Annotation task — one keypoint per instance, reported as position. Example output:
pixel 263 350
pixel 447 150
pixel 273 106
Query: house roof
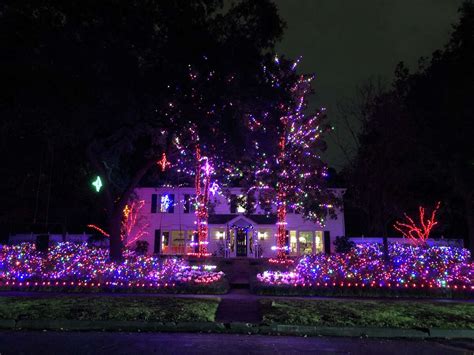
pixel 256 218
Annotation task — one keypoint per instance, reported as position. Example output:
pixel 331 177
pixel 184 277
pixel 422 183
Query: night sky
pixel 344 42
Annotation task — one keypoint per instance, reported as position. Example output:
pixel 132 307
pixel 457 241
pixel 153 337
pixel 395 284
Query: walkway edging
pixel 234 327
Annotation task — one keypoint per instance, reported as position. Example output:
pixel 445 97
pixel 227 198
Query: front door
pixel 241 241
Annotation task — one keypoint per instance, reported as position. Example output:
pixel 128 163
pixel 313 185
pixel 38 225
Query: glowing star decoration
pixel 418 234
pixel 214 188
pixel 97 184
pixel 163 162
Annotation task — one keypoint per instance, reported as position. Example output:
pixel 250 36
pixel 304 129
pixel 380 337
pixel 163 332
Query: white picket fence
pixel 55 238
pixel 440 241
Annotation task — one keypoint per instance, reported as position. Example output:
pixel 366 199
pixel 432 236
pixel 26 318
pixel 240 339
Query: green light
pixel 97 184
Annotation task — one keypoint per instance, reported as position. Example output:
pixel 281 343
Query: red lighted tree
pixel 420 233
pixel 132 227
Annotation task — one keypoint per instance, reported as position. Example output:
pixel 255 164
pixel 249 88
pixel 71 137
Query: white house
pixel 167 218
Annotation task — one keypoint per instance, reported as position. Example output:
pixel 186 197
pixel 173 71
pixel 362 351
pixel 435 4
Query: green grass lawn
pixel 390 314
pixel 130 308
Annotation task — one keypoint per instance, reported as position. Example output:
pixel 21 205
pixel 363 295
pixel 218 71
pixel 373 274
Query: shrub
pixel 343 244
pixel 141 247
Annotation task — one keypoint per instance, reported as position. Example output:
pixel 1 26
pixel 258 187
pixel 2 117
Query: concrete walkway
pixel 241 306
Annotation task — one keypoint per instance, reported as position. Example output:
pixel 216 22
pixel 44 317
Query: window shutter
pixel 186 203
pixel 154 199
pixel 233 204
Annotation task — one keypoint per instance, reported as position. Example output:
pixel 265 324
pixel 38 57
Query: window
pixel 263 234
pixel 306 242
pixel 177 238
pixel 318 241
pixel 191 242
pixel 189 203
pixel 293 243
pixel 165 241
pixel 192 236
pixel 167 203
pixel 241 204
pixel 154 199
pixel 219 234
pixel 237 204
pixel 177 242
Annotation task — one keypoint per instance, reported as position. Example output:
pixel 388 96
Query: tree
pixel 105 73
pixel 415 142
pixel 343 244
pixel 289 167
pixel 418 233
pixel 439 101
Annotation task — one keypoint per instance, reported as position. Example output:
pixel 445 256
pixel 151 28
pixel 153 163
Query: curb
pixel 234 327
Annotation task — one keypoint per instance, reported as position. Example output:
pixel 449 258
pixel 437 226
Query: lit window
pixel 293 243
pixel 240 208
pixel 219 234
pixel 262 235
pixel 319 241
pixel 167 203
pixel 306 242
pixel 189 203
pixel 177 242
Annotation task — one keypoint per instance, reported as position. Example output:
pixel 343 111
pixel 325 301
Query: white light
pixel 262 235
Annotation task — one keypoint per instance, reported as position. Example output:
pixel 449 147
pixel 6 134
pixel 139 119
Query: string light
pixel 300 173
pixel 409 267
pixel 98 229
pixel 131 230
pixel 418 234
pixel 69 265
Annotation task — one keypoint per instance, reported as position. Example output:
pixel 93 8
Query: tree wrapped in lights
pixel 418 233
pixel 203 148
pixel 202 183
pixel 294 172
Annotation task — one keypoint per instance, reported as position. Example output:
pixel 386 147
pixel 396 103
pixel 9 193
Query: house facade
pixel 167 221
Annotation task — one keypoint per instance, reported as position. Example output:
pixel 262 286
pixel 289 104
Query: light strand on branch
pixel 418 233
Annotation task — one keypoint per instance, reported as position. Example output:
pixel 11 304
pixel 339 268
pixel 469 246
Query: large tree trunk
pixel 115 201
pixel 116 244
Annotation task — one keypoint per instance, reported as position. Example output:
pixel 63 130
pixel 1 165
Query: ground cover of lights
pixel 79 266
pixel 436 267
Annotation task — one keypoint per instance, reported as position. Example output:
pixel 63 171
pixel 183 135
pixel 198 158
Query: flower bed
pixel 411 270
pixel 69 266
